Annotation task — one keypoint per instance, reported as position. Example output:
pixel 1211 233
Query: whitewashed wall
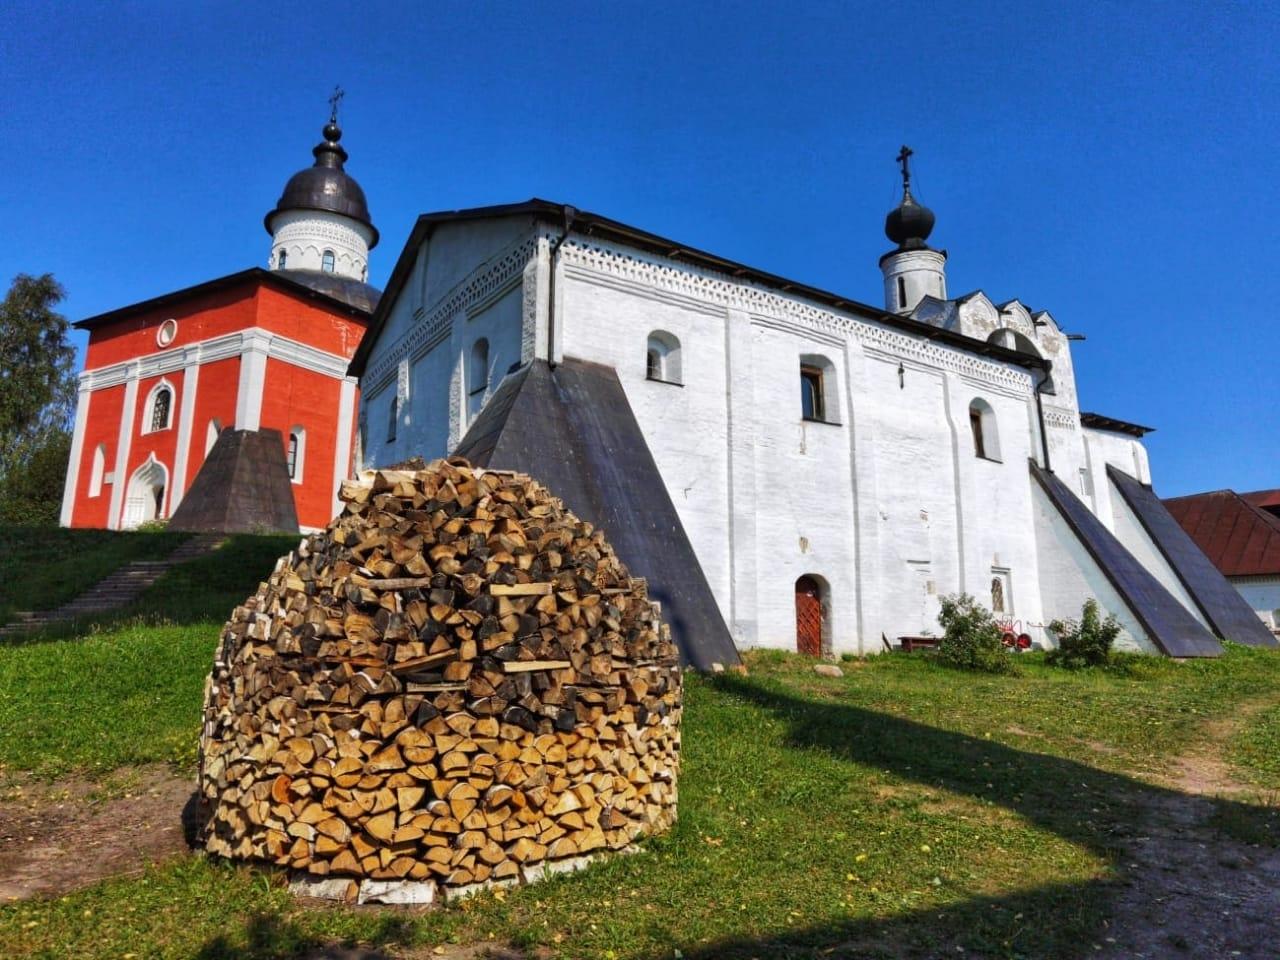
pixel 887 506
pixel 1069 576
pixel 1263 594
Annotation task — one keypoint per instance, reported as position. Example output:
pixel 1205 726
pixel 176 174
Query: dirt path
pixel 1191 889
pixel 58 837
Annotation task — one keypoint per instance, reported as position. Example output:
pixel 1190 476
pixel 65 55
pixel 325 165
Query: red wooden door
pixel 808 617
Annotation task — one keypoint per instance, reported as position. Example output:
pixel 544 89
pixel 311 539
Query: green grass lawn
pixel 904 808
pixel 44 567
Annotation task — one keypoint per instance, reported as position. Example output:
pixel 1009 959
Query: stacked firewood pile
pixel 455 682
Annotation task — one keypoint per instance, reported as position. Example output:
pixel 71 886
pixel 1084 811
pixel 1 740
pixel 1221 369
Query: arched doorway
pixel 809 617
pixel 144 498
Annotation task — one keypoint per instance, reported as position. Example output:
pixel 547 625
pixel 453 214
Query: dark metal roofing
pixel 594 225
pixel 1242 540
pixel 352 292
pixel 1168 623
pixel 1097 421
pixel 1227 612
pixel 325 186
pixel 243 486
pixel 572 429
pixel 297 282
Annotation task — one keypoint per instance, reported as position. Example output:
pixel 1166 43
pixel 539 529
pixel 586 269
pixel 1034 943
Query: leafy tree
pixel 971 639
pixel 37 399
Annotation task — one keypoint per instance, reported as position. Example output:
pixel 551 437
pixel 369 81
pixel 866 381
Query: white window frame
pixel 149 407
pixel 299 460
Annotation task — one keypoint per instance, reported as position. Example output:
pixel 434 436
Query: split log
pixel 456 679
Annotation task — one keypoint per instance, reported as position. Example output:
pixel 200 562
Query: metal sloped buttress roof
pixel 1228 613
pixel 1168 623
pixel 572 428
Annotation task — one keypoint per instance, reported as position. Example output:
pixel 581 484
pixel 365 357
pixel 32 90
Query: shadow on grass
pixel 268 937
pixel 1095 809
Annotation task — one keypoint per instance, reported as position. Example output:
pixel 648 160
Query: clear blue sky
pixel 1112 163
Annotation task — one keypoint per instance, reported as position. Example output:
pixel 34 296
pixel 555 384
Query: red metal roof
pixel 1268 500
pixel 1240 538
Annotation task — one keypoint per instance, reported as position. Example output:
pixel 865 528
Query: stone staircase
pixel 121 587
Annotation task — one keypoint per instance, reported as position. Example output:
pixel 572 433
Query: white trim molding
pixel 77 451
pixel 342 446
pixel 186 420
pixel 218 348
pixel 253 377
pixel 123 446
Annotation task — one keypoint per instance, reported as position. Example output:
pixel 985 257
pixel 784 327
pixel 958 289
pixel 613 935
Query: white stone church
pixel 788 467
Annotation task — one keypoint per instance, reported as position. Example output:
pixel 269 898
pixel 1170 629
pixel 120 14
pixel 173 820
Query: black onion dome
pixel 326 186
pixel 909 224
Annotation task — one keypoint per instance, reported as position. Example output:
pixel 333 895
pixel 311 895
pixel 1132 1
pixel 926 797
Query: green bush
pixel 971 639
pixel 1085 642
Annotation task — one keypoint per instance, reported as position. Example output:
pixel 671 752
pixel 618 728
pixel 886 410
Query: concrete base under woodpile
pixel 424 893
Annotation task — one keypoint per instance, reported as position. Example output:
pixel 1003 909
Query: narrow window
pixel 902 293
pixel 160 409
pixel 395 415
pixel 812 403
pixel 293 456
pixel 983 426
pixel 478 371
pixel 997 595
pixel 283 258
pixel 662 357
pixel 975 424
pixel 98 470
pixel 326 261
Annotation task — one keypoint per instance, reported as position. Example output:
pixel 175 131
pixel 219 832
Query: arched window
pixel 662 358
pixel 282 258
pixel 478 367
pixel 159 408
pixel 982 425
pixel 326 261
pixel 98 470
pixel 819 401
pixel 296 453
pixel 1021 343
pixel 211 434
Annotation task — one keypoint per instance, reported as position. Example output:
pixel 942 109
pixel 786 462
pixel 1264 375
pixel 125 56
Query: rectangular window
pixel 979 442
pixel 812 406
pixel 395 415
pixel 293 456
pixel 902 293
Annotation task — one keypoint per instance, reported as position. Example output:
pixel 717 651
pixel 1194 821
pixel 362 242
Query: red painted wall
pixel 292 396
pixel 101 427
pixel 216 390
pixel 296 397
pixel 199 318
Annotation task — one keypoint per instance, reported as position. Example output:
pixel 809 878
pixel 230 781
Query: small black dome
pixel 909 224
pixel 326 186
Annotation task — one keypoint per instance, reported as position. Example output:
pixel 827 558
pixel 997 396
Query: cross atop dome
pixel 910 223
pixel 321 221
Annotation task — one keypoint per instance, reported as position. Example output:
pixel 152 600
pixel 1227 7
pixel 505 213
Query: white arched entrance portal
pixel 145 496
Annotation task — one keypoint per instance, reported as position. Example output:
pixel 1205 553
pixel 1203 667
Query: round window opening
pixel 168 330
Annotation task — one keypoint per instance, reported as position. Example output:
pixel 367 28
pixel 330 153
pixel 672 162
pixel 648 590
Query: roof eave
pixel 592 224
